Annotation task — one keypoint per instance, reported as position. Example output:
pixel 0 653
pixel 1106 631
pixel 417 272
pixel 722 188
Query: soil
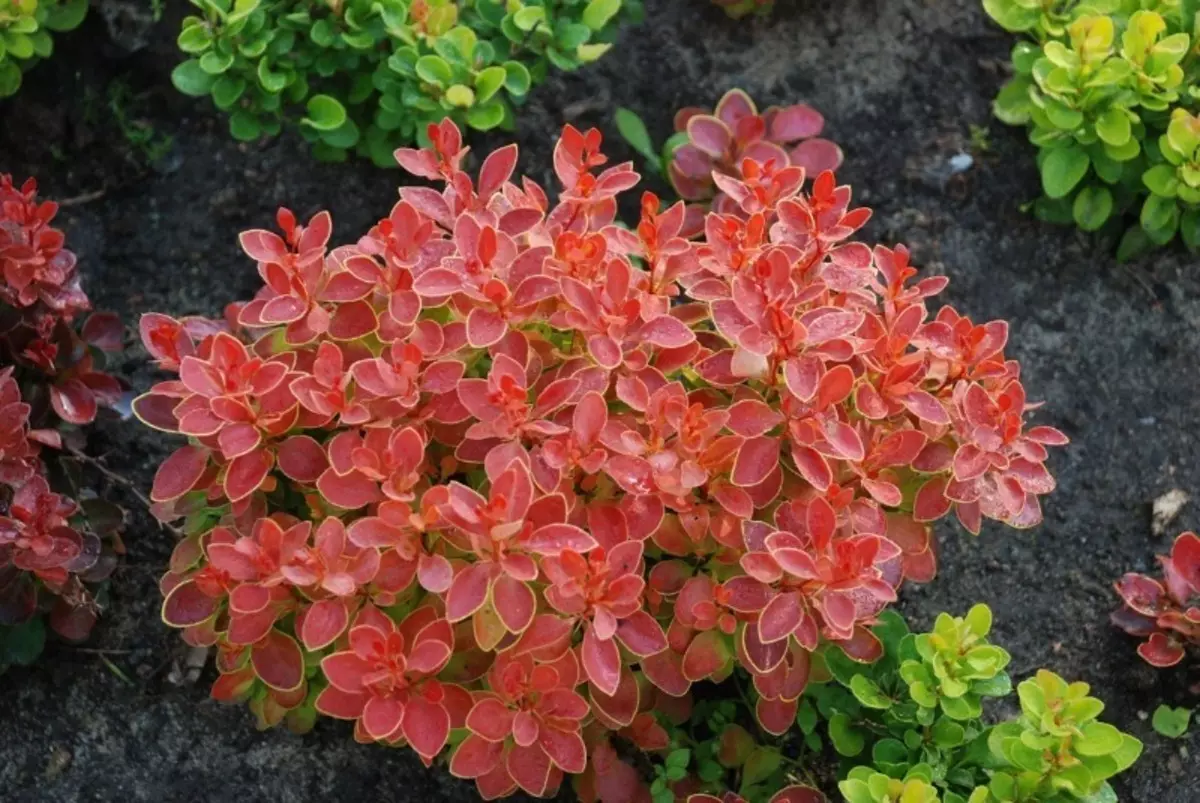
pixel 1111 349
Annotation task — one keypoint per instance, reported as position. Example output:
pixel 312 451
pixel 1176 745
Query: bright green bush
pixel 25 27
pixel 1109 89
pixel 911 726
pixel 371 75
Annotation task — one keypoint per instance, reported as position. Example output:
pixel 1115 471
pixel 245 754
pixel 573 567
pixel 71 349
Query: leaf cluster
pixel 1108 90
pixel 366 76
pixel 25 28
pixel 917 714
pixel 55 552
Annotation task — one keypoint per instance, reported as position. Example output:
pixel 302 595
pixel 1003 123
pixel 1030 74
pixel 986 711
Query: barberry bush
pixel 25 34
pixel 909 728
pixel 501 477
pixel 1109 93
pixel 360 76
pixel 1164 612
pixel 56 549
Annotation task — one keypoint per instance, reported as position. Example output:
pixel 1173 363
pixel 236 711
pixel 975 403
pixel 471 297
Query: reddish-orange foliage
pixel 504 465
pixel 1166 613
pixel 48 371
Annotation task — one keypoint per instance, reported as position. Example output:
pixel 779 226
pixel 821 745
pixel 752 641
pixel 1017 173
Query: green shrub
pixel 371 75
pixel 910 726
pixel 1108 89
pixel 25 27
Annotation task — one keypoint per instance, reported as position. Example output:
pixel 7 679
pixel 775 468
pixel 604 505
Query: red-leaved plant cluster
pixel 502 477
pixel 734 144
pixel 1166 613
pixel 50 374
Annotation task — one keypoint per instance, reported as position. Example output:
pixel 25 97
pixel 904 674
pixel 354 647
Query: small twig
pixel 124 482
pixel 116 670
pixel 1140 280
pixel 86 198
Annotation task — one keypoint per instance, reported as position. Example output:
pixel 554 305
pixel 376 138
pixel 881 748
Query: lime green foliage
pixel 1057 750
pixel 370 75
pixel 957 667
pixel 863 785
pixel 1108 89
pixel 25 27
pixel 910 726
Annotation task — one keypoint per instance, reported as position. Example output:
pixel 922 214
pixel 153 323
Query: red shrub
pixel 1166 613
pixel 564 469
pixel 49 554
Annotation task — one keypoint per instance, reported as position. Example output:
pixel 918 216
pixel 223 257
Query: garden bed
pixel 1112 350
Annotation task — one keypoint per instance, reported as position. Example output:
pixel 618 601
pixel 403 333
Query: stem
pixel 124 482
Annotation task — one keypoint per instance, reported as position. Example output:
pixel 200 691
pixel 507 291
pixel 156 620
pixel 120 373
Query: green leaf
pixel 1162 180
pixel 597 13
pixel 272 82
pixel 847 740
pixel 806 716
pixel 244 127
pixel 488 82
pixel 1159 215
pixel 460 96
pixel 22 644
pixel 1171 722
pixel 529 17
pixel 324 113
pixel 190 79
pixel 679 758
pixel 1063 169
pixel 1092 207
pixel 344 136
pixel 1189 229
pixel 633 130
pixel 869 694
pixel 434 70
pixel 194 39
pixel 1134 243
pixel 948 733
pixel 517 79
pixel 486 116
pixel 227 90
pixel 1114 127
pixel 66 16
pixel 215 63
pixel 760 765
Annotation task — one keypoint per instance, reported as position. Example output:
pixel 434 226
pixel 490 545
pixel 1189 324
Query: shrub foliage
pixel 1166 613
pixel 502 475
pixel 55 548
pixel 366 76
pixel 25 28
pixel 1108 91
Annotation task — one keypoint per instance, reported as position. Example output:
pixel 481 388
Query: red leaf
pixel 302 459
pixel 707 654
pixel 179 473
pixel 73 401
pixel 755 460
pixel 278 661
pixel 601 662
pixel 246 474
pixel 187 605
pixel 426 726
pixel 323 623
